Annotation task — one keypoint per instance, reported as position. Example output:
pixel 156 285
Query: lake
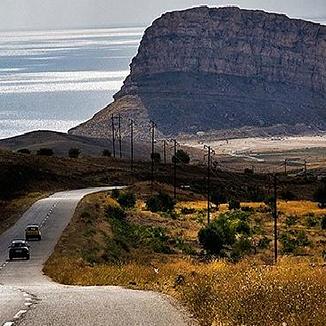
pixel 58 79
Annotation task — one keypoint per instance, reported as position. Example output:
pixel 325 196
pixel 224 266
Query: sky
pixel 59 14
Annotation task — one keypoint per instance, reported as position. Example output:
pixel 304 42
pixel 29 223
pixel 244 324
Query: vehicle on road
pixel 19 249
pixel 33 232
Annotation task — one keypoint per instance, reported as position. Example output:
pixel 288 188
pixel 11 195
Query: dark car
pixel 19 249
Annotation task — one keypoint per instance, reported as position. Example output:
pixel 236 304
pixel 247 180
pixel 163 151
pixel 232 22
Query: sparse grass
pixel 250 292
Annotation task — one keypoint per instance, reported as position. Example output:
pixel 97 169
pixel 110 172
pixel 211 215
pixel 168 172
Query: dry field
pixel 160 252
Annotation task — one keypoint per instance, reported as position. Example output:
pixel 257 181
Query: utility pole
pixel 132 124
pixel 164 151
pixel 285 166
pixel 209 154
pixel 113 134
pixel 174 161
pixel 275 217
pixel 119 135
pixel 305 168
pixel 153 126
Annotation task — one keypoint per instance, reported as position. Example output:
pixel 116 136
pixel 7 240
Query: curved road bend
pixel 27 297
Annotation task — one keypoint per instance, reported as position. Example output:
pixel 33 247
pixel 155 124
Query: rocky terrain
pixel 216 69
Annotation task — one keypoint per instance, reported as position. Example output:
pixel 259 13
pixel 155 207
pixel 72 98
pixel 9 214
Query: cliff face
pixel 207 69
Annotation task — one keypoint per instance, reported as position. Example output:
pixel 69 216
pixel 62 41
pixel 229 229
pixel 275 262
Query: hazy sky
pixel 47 14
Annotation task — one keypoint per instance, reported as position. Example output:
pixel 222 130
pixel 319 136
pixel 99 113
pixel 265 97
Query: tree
pixel 74 152
pixel 106 153
pixel 227 235
pixel 156 157
pixel 45 152
pixel 127 199
pixel 181 157
pixel 320 195
pixel 161 202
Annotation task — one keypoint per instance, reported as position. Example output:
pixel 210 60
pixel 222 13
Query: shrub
pixel 323 222
pixel 291 220
pixel 292 241
pixel 74 152
pixel 311 220
pixel 24 151
pixel 248 171
pixel 264 243
pixel 156 157
pixel 115 193
pixel 45 152
pixel 181 157
pixel 161 202
pixel 228 235
pixel 234 204
pixel 106 153
pixel 127 199
pixel 320 196
pixel 115 212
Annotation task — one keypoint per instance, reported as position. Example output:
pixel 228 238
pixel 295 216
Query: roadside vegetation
pixel 224 273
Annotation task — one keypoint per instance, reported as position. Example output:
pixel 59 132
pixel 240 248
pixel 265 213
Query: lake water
pixel 57 79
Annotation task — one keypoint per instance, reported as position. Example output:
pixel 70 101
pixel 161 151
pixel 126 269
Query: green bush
pixel 74 152
pixel 323 222
pixel 115 212
pixel 291 220
pixel 127 199
pixel 264 243
pixel 115 193
pixel 161 202
pixel 229 235
pixel 311 220
pixel 45 152
pixel 287 194
pixel 234 204
pixel 292 241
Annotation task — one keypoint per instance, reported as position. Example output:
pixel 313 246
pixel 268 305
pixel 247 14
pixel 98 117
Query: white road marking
pixel 19 313
pixel 8 323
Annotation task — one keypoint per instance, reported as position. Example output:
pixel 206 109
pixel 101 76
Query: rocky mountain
pixel 207 70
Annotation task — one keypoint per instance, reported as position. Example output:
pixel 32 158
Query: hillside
pixel 216 69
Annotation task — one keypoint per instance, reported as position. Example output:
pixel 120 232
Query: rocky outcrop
pixel 207 69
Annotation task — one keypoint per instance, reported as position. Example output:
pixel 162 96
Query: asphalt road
pixel 27 297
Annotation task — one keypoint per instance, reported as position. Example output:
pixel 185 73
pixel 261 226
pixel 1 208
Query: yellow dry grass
pixel 300 208
pixel 217 292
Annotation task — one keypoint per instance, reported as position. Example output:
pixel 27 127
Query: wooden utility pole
pixel 275 217
pixel 175 144
pixel 113 134
pixel 119 135
pixel 285 166
pixel 209 154
pixel 153 126
pixel 132 124
pixel 164 151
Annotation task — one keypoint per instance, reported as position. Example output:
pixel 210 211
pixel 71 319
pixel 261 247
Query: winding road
pixel 27 297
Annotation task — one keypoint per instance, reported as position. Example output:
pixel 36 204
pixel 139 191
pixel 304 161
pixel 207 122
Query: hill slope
pixel 211 69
